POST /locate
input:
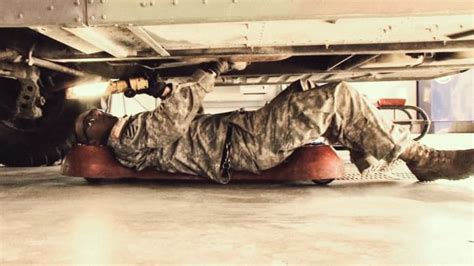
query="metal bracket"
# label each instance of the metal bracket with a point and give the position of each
(29, 99)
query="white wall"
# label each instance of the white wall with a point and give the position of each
(389, 89)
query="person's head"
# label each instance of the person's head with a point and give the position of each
(93, 127)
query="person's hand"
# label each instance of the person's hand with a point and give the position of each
(239, 66)
(158, 90)
(223, 66)
(219, 67)
(156, 87)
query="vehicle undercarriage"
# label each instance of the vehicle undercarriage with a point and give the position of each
(48, 46)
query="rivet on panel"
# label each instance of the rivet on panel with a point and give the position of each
(78, 19)
(143, 4)
(20, 16)
(77, 3)
(175, 2)
(102, 1)
(51, 8)
(234, 1)
(103, 16)
(152, 3)
(204, 1)
(92, 17)
(90, 1)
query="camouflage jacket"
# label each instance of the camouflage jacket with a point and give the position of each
(173, 137)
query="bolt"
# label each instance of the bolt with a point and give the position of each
(20, 16)
(326, 44)
(51, 8)
(41, 101)
(103, 16)
(77, 3)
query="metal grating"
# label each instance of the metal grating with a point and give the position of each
(398, 171)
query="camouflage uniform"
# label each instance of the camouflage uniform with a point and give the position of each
(174, 138)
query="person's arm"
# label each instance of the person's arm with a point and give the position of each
(171, 119)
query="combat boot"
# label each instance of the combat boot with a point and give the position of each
(428, 164)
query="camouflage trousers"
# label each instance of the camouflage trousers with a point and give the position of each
(302, 113)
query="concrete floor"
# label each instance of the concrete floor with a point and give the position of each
(47, 218)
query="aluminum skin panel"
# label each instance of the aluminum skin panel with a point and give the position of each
(24, 13)
(152, 12)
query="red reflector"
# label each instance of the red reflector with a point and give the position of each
(391, 102)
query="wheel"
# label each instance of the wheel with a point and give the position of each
(94, 181)
(322, 182)
(43, 141)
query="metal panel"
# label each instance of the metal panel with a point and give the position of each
(16, 13)
(24, 13)
(143, 12)
(310, 32)
(146, 38)
(68, 38)
(102, 38)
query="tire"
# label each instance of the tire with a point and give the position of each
(40, 142)
(94, 181)
(322, 182)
